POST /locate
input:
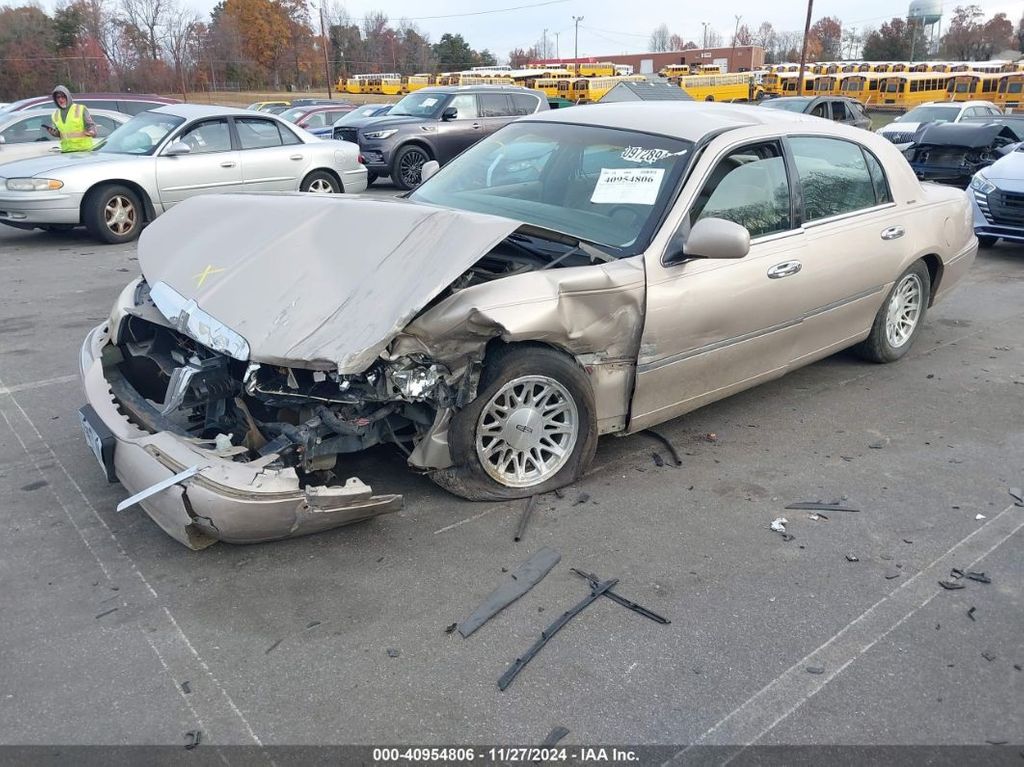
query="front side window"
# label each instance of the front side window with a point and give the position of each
(104, 125)
(207, 137)
(256, 133)
(750, 187)
(465, 106)
(142, 134)
(833, 175)
(27, 130)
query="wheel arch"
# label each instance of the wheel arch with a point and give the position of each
(330, 172)
(935, 270)
(148, 209)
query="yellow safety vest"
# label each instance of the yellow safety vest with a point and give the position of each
(73, 137)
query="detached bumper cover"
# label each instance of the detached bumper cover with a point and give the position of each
(227, 500)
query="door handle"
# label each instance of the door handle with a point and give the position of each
(785, 269)
(295, 157)
(228, 164)
(476, 126)
(893, 233)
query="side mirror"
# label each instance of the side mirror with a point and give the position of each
(717, 238)
(430, 167)
(177, 148)
(2, 141)
(449, 113)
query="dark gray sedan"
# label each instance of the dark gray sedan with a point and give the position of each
(836, 108)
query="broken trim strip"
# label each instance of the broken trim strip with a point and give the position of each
(522, 579)
(163, 484)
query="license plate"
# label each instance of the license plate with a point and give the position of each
(100, 440)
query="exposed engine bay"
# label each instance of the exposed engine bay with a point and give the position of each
(953, 152)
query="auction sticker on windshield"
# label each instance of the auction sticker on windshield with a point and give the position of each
(628, 186)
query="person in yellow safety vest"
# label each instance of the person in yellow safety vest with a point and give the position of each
(72, 123)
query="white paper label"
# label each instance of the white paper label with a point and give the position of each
(429, 102)
(628, 186)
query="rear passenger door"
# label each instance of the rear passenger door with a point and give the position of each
(856, 240)
(495, 111)
(273, 158)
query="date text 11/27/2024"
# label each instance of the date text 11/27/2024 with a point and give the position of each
(501, 754)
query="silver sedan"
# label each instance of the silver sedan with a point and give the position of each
(167, 155)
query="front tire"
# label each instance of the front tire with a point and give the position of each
(320, 182)
(900, 317)
(531, 429)
(407, 167)
(113, 214)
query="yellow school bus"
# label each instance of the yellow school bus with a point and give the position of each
(674, 70)
(1008, 92)
(987, 66)
(788, 82)
(359, 84)
(824, 85)
(968, 86)
(600, 69)
(740, 86)
(881, 66)
(589, 89)
(555, 87)
(420, 80)
(481, 79)
(862, 86)
(393, 84)
(908, 89)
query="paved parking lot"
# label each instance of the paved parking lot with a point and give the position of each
(339, 638)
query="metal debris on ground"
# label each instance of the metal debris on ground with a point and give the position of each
(852, 558)
(273, 646)
(618, 599)
(970, 613)
(951, 585)
(658, 460)
(312, 625)
(194, 738)
(524, 520)
(106, 612)
(520, 663)
(819, 506)
(518, 582)
(979, 577)
(554, 736)
(892, 574)
(815, 669)
(779, 524)
(393, 653)
(1018, 496)
(668, 446)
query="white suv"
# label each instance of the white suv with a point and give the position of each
(902, 129)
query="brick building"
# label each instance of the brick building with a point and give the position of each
(742, 58)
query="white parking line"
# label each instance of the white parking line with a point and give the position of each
(36, 384)
(170, 644)
(760, 713)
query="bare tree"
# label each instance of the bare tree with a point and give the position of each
(714, 38)
(143, 19)
(659, 39)
(180, 27)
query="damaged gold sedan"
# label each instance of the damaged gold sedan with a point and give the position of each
(580, 272)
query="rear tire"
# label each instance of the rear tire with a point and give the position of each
(987, 241)
(320, 182)
(531, 429)
(113, 213)
(900, 317)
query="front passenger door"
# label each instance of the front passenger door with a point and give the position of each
(715, 327)
(465, 130)
(211, 165)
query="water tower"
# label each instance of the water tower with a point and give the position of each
(927, 14)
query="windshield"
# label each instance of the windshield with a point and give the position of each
(419, 105)
(361, 113)
(601, 185)
(790, 105)
(142, 134)
(929, 114)
(294, 114)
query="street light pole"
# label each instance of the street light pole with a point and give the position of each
(576, 46)
(705, 35)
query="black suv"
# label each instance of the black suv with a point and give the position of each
(436, 124)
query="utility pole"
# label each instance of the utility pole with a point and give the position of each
(803, 50)
(735, 34)
(327, 63)
(576, 46)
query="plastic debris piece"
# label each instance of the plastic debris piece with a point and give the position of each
(106, 612)
(554, 736)
(892, 574)
(988, 656)
(312, 625)
(970, 613)
(450, 628)
(979, 577)
(581, 499)
(658, 460)
(668, 446)
(186, 687)
(273, 646)
(526, 576)
(393, 653)
(956, 572)
(815, 669)
(787, 537)
(194, 738)
(820, 506)
(979, 516)
(524, 520)
(951, 585)
(779, 524)
(223, 442)
(852, 558)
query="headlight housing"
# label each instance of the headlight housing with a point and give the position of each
(33, 184)
(380, 134)
(981, 184)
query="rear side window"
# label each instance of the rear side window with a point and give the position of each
(833, 175)
(257, 134)
(524, 104)
(494, 105)
(878, 180)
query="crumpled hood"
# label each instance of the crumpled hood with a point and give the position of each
(967, 136)
(313, 281)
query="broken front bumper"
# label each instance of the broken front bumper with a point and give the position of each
(227, 500)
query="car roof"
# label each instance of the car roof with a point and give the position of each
(958, 104)
(485, 87)
(688, 120)
(192, 111)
